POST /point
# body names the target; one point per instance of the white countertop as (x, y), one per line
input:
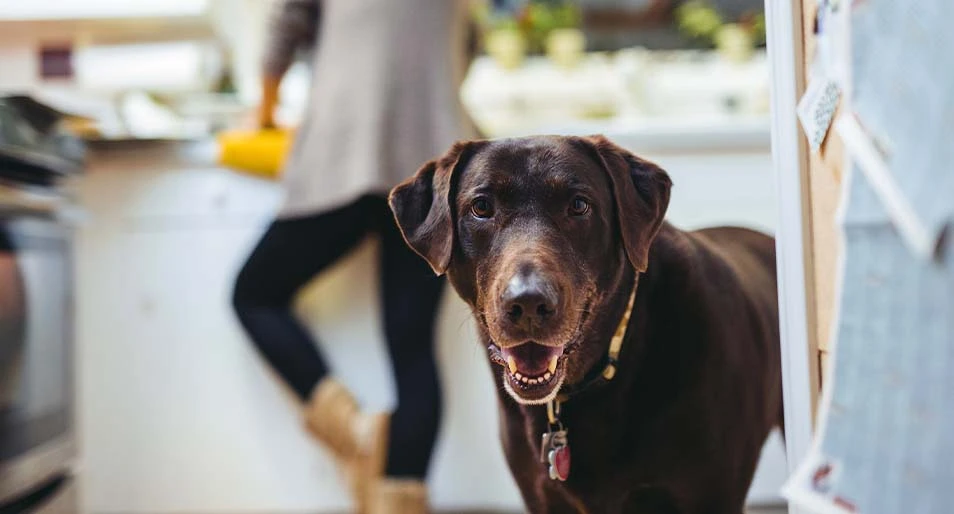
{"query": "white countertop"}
(650, 101)
(661, 135)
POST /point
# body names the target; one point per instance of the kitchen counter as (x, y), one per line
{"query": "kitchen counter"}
(718, 134)
(650, 101)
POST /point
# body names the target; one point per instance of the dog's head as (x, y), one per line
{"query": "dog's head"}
(537, 235)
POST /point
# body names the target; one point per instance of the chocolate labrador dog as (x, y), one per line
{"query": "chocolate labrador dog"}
(651, 352)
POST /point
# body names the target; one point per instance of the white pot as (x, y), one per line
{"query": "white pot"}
(566, 47)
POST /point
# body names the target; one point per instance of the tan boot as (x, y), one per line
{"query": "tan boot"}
(399, 496)
(357, 440)
(367, 467)
(330, 417)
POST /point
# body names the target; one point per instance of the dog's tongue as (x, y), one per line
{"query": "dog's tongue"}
(531, 359)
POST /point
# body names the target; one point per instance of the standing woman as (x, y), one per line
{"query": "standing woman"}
(383, 100)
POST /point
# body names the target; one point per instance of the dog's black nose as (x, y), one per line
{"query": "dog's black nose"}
(529, 301)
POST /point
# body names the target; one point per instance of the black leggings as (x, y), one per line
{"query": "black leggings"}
(292, 252)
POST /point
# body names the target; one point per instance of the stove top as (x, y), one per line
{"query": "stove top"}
(34, 147)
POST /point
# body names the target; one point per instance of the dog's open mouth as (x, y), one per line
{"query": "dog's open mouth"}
(532, 371)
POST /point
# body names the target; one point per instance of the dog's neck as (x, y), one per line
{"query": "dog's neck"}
(607, 366)
(666, 260)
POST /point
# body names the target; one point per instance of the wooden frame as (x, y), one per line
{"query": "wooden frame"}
(785, 34)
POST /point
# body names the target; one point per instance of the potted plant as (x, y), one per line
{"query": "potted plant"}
(559, 22)
(735, 41)
(504, 38)
(550, 27)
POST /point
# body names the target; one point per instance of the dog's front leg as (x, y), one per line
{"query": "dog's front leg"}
(649, 500)
(555, 499)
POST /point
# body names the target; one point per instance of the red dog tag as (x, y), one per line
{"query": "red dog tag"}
(559, 460)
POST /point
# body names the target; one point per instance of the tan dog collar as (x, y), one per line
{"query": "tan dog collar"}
(554, 446)
(612, 355)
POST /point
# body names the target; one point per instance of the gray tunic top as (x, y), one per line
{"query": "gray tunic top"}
(384, 93)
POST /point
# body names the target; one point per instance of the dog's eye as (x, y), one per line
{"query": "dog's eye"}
(482, 208)
(579, 206)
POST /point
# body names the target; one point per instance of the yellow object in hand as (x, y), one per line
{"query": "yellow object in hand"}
(259, 152)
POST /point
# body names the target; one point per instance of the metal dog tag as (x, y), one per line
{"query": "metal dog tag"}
(545, 445)
(555, 452)
(549, 440)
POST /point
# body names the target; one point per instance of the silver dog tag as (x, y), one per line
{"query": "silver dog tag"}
(545, 445)
(550, 440)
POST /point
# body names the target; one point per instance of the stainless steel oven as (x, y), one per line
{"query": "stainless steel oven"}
(36, 349)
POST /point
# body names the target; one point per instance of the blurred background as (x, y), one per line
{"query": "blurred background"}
(121, 359)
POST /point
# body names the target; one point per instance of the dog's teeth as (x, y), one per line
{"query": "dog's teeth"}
(547, 375)
(518, 376)
(553, 364)
(525, 380)
(512, 363)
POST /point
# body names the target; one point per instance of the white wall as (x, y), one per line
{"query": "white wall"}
(20, 67)
(26, 27)
(58, 9)
(179, 414)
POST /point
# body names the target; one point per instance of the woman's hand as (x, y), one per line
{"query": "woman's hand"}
(266, 109)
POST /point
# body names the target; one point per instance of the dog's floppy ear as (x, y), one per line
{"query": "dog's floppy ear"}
(641, 190)
(423, 206)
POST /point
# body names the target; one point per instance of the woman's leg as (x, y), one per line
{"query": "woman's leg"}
(291, 253)
(411, 293)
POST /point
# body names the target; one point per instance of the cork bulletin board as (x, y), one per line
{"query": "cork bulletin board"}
(824, 178)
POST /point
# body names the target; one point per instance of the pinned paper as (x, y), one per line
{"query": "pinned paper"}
(816, 110)
(832, 37)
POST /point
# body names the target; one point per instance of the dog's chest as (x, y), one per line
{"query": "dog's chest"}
(560, 465)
